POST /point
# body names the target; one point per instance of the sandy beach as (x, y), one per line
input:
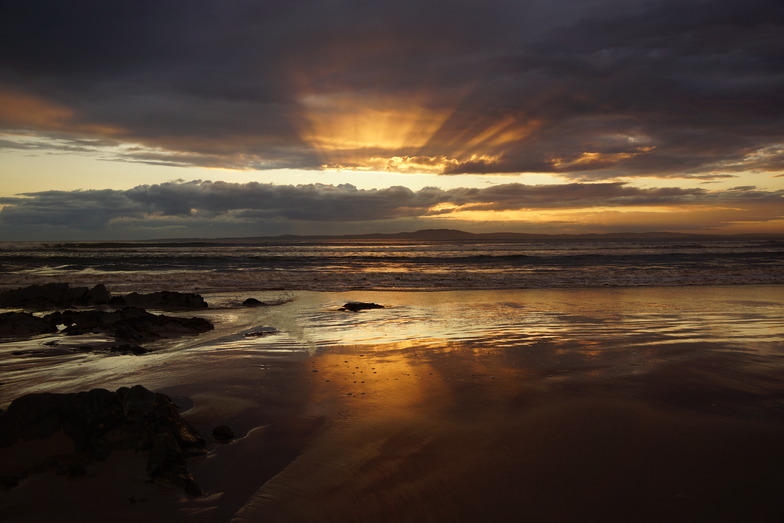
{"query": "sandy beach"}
(637, 404)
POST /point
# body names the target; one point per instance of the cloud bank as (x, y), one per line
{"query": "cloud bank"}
(590, 90)
(210, 209)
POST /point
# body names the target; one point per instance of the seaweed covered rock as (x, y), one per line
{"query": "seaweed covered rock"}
(163, 300)
(52, 295)
(99, 422)
(22, 324)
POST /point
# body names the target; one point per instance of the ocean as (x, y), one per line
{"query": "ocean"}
(558, 381)
(338, 265)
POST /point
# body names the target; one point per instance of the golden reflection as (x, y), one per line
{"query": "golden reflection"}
(424, 378)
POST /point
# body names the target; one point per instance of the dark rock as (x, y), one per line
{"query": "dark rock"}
(99, 422)
(130, 324)
(99, 294)
(262, 331)
(152, 327)
(148, 413)
(355, 306)
(167, 462)
(17, 324)
(81, 322)
(280, 300)
(163, 300)
(53, 295)
(70, 469)
(136, 350)
(222, 434)
(253, 302)
(9, 482)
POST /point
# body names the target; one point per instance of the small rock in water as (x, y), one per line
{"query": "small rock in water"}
(355, 306)
(263, 331)
(136, 350)
(252, 302)
(223, 434)
(280, 300)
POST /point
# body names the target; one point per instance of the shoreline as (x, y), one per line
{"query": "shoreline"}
(362, 285)
(458, 405)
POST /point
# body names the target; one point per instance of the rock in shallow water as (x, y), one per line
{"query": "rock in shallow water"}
(253, 302)
(165, 300)
(261, 331)
(223, 434)
(130, 323)
(354, 306)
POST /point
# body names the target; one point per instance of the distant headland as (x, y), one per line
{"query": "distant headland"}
(438, 235)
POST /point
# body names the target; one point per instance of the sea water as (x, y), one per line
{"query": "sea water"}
(502, 381)
(338, 265)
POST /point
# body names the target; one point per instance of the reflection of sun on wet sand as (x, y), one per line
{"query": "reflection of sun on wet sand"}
(443, 433)
(622, 405)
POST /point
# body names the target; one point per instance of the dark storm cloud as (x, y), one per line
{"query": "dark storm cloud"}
(592, 89)
(201, 201)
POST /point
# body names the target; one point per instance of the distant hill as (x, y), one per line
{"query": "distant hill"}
(457, 235)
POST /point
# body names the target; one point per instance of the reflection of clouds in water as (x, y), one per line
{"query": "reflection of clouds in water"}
(455, 348)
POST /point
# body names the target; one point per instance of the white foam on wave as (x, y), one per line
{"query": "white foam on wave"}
(217, 280)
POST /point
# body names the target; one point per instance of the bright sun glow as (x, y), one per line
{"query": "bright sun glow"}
(348, 130)
(369, 132)
(471, 213)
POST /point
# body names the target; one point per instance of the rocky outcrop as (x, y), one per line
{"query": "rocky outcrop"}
(130, 324)
(354, 306)
(82, 322)
(152, 327)
(99, 422)
(59, 295)
(163, 300)
(23, 324)
(53, 295)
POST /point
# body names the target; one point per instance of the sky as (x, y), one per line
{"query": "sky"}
(210, 118)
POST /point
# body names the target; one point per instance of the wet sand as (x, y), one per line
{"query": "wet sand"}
(558, 405)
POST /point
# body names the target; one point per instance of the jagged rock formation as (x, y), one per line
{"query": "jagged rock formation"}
(99, 422)
(54, 295)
